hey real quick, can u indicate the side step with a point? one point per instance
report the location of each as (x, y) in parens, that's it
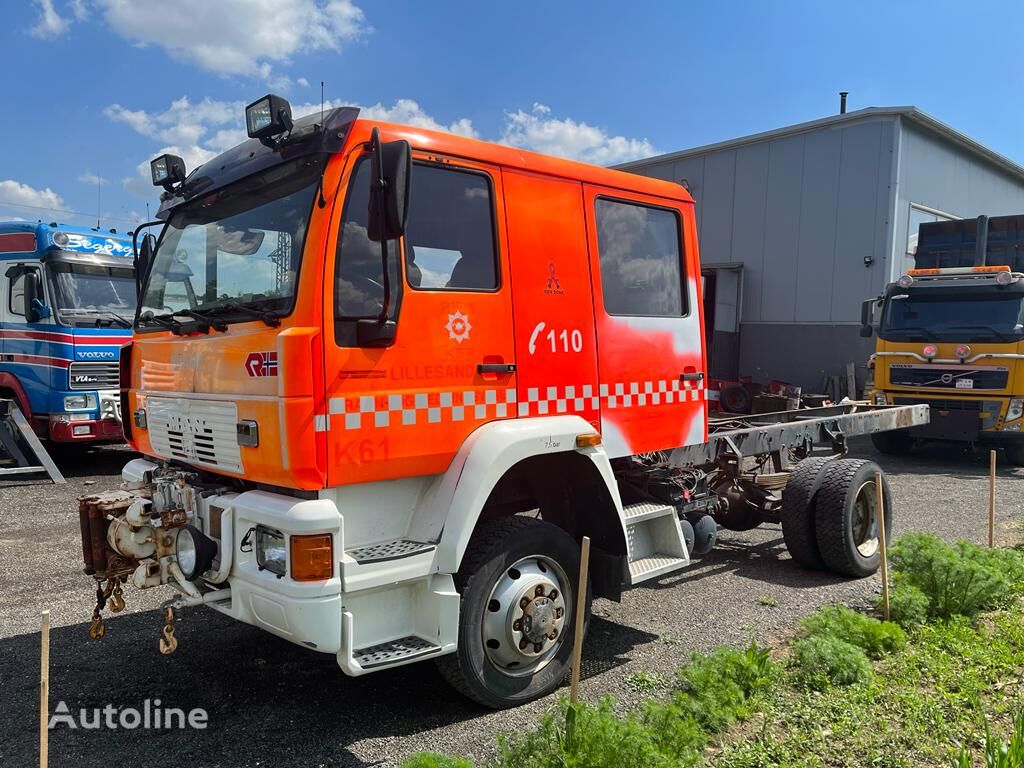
(388, 550)
(393, 652)
(655, 541)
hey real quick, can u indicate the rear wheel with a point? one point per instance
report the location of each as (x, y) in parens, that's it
(518, 583)
(895, 443)
(1015, 455)
(798, 503)
(846, 519)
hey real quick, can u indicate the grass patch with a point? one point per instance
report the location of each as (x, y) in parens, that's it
(434, 760)
(646, 682)
(767, 601)
(942, 688)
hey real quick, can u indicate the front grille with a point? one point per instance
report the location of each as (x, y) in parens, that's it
(935, 377)
(94, 375)
(942, 405)
(200, 432)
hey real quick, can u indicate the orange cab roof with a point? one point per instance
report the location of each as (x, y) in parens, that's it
(499, 154)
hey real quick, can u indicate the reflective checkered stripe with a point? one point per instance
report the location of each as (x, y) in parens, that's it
(412, 408)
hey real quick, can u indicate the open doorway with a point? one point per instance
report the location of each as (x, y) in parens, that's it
(722, 294)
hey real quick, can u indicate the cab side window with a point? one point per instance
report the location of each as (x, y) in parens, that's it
(640, 255)
(449, 240)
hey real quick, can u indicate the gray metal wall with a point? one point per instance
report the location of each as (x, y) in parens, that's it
(800, 213)
(935, 173)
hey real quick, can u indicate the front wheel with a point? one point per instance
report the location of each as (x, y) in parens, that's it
(518, 582)
(898, 442)
(1015, 454)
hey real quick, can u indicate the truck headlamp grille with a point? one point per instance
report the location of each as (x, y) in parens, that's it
(1015, 410)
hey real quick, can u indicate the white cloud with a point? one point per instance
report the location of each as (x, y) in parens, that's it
(50, 23)
(199, 131)
(565, 137)
(92, 179)
(17, 194)
(303, 82)
(237, 37)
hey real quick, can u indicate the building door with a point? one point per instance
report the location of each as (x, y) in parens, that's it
(405, 409)
(644, 270)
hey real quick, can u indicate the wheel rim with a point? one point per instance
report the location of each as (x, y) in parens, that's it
(526, 616)
(864, 520)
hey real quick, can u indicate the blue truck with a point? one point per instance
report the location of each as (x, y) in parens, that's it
(67, 301)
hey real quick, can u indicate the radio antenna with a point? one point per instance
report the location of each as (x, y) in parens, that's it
(99, 188)
(321, 105)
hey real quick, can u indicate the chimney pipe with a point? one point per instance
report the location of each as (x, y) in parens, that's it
(842, 102)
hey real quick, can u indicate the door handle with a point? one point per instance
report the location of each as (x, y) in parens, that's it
(698, 376)
(496, 368)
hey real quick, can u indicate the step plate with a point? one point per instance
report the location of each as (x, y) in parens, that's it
(388, 550)
(651, 567)
(393, 652)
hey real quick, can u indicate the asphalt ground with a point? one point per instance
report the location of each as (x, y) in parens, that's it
(270, 703)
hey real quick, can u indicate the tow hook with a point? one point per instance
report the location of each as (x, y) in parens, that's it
(168, 643)
(112, 592)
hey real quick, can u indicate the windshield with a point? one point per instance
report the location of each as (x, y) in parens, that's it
(90, 295)
(962, 317)
(240, 244)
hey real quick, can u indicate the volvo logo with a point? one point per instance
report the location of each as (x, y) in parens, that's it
(947, 378)
(96, 355)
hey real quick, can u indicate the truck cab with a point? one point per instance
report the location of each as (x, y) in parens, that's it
(67, 297)
(951, 335)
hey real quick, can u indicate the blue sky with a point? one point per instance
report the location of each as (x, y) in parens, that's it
(102, 86)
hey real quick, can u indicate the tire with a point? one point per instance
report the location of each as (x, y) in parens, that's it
(490, 666)
(735, 399)
(898, 442)
(846, 520)
(1015, 455)
(798, 503)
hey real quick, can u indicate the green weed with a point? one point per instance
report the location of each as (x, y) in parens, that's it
(961, 579)
(645, 682)
(997, 753)
(876, 638)
(825, 660)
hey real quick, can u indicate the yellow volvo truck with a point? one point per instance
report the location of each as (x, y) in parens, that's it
(951, 335)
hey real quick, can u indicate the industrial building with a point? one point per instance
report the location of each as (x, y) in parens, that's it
(799, 225)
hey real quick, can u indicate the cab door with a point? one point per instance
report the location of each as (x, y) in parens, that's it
(651, 365)
(405, 409)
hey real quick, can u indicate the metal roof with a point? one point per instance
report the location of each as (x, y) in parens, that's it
(911, 113)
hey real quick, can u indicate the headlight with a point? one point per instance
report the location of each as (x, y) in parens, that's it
(194, 552)
(880, 398)
(1015, 409)
(79, 402)
(270, 550)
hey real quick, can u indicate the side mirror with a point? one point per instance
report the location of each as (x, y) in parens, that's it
(35, 307)
(866, 316)
(145, 256)
(389, 193)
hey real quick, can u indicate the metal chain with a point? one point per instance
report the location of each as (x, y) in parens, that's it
(117, 598)
(96, 628)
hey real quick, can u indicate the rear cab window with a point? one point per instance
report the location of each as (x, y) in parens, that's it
(640, 251)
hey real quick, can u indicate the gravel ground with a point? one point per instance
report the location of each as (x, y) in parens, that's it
(272, 703)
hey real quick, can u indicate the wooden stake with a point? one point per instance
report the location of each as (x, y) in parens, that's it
(44, 694)
(581, 605)
(880, 511)
(991, 499)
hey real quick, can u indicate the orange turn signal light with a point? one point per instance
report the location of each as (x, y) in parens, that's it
(588, 440)
(1001, 268)
(924, 271)
(312, 557)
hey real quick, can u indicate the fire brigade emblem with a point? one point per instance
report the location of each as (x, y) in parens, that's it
(458, 327)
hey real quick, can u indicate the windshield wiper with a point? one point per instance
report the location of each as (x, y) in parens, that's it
(217, 325)
(166, 320)
(124, 321)
(268, 316)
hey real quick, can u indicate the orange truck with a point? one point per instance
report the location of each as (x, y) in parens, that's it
(386, 379)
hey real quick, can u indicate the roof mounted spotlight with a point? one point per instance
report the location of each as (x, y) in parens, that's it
(268, 117)
(905, 281)
(167, 170)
